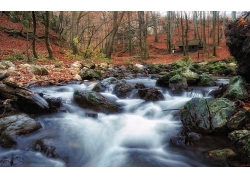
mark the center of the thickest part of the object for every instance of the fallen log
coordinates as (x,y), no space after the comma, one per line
(4,76)
(25,99)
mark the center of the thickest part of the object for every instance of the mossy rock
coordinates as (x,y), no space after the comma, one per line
(221,155)
(39,70)
(95,101)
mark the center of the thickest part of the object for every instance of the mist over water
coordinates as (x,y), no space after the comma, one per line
(139,136)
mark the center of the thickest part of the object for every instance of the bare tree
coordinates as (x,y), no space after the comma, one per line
(195,23)
(154,19)
(143,34)
(34,35)
(47,25)
(203,35)
(214,25)
(186,33)
(129,33)
(116,24)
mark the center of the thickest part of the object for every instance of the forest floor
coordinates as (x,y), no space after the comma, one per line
(10,45)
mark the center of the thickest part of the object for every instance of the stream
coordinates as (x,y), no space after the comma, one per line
(137,137)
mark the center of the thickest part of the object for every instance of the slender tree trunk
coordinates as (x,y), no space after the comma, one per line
(140,32)
(204,36)
(195,24)
(182,36)
(153,14)
(116,24)
(223,24)
(34,35)
(47,21)
(178,25)
(218,28)
(169,47)
(73,38)
(129,34)
(214,25)
(145,34)
(186,33)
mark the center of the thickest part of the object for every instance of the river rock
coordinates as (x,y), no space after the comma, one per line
(45,147)
(178,84)
(206,80)
(241,136)
(89,74)
(122,89)
(207,115)
(221,156)
(16,125)
(38,70)
(239,120)
(88,64)
(164,80)
(150,94)
(75,67)
(184,138)
(237,89)
(191,77)
(139,86)
(95,101)
(105,84)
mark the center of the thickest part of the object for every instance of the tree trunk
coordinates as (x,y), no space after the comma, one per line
(214,25)
(34,35)
(153,14)
(204,36)
(73,39)
(195,24)
(182,36)
(145,34)
(218,28)
(129,34)
(47,21)
(223,25)
(186,33)
(169,44)
(116,24)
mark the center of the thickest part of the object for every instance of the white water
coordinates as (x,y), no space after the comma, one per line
(137,137)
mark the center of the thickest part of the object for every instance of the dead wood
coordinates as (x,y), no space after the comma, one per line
(3,76)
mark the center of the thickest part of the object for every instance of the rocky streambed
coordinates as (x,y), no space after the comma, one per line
(137,120)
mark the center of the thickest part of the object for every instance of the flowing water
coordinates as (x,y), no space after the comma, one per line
(139,136)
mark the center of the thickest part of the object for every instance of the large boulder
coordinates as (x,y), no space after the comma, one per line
(122,89)
(239,120)
(237,89)
(207,115)
(16,125)
(150,94)
(95,101)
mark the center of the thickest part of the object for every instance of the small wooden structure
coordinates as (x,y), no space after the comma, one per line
(193,45)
